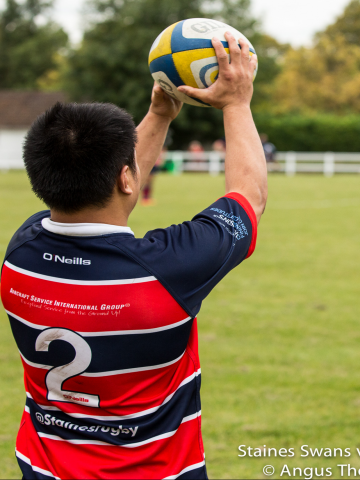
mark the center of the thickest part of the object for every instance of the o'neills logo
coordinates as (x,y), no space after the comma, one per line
(62,259)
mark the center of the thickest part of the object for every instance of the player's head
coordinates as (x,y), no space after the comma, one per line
(74,154)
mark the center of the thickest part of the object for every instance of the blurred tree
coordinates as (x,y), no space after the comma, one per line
(51,80)
(111,63)
(347,24)
(271,56)
(28,43)
(325,77)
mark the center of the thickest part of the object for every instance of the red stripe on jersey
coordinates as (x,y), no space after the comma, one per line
(25,446)
(251,214)
(158,459)
(121,395)
(136,306)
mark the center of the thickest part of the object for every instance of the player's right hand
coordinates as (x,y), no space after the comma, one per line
(164,105)
(234,85)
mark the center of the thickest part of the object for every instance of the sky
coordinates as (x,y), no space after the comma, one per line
(289,21)
(296,21)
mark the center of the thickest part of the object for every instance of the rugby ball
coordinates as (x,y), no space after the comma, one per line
(183,55)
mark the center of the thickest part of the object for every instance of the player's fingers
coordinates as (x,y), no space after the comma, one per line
(244,49)
(157,90)
(193,92)
(157,93)
(253,62)
(222,56)
(235,52)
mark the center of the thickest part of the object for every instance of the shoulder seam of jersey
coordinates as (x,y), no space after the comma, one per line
(21,244)
(158,277)
(7,254)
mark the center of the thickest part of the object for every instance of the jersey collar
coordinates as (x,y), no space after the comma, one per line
(83,229)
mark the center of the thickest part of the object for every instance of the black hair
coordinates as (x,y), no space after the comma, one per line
(73,154)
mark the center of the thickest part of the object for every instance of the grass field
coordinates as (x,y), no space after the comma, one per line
(279,337)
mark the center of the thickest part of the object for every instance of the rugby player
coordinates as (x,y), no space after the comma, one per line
(106,323)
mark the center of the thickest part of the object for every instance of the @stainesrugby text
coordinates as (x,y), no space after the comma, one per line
(341,468)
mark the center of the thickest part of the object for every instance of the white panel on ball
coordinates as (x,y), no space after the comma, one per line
(203,28)
(166,84)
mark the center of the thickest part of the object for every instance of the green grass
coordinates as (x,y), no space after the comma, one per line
(279,337)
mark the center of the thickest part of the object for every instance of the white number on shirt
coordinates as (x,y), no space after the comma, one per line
(58,375)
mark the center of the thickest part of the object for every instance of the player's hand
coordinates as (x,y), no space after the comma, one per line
(234,85)
(164,105)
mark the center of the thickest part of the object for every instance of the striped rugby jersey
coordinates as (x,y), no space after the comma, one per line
(106,328)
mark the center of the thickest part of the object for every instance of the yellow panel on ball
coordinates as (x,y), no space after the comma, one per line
(162,44)
(197,68)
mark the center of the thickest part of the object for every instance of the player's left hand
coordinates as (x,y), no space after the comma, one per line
(164,105)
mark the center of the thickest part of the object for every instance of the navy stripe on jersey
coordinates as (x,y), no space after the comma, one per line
(193,472)
(71,281)
(31,472)
(119,418)
(183,406)
(110,353)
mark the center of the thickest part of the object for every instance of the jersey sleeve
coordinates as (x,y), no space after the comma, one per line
(191,258)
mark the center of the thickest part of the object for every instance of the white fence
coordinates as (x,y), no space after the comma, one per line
(11,145)
(289,163)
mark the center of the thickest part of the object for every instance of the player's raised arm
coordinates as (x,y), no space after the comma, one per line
(153,129)
(245,165)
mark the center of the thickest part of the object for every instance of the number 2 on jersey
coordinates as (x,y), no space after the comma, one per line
(58,375)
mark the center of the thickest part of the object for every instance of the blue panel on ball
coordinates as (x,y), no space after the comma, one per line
(200,101)
(180,43)
(226,45)
(203,72)
(166,64)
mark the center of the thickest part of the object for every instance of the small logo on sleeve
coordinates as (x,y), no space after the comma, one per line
(62,259)
(239,229)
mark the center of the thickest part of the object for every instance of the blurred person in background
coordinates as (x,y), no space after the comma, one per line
(219,146)
(196,148)
(269,148)
(147,191)
(196,151)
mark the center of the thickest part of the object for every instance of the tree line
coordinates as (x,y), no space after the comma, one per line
(110,64)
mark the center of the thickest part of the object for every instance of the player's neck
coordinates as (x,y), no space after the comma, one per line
(114,213)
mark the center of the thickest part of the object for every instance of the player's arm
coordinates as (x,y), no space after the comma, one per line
(153,129)
(245,165)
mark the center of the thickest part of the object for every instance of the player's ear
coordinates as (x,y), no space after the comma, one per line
(123,180)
